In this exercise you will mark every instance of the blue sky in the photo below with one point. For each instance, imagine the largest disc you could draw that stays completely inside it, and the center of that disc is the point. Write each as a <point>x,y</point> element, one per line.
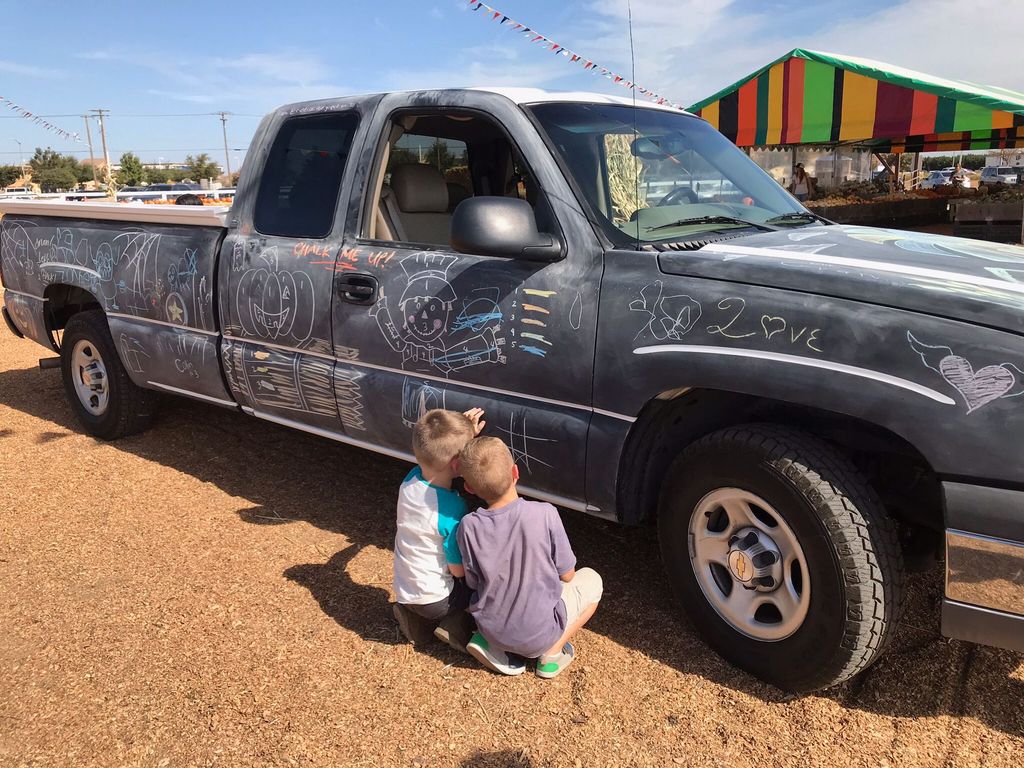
<point>143,59</point>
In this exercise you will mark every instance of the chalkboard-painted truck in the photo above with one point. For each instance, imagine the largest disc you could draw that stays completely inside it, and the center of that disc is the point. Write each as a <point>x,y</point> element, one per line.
<point>657,329</point>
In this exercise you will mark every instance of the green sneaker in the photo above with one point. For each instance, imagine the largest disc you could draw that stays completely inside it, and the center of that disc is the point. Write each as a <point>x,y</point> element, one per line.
<point>492,658</point>
<point>552,666</point>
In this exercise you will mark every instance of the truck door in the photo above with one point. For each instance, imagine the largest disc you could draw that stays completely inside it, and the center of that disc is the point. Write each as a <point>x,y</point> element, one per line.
<point>418,325</point>
<point>278,260</point>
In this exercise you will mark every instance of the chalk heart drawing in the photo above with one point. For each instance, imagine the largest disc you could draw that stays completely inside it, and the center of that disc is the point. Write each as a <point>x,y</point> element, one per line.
<point>977,387</point>
<point>772,325</point>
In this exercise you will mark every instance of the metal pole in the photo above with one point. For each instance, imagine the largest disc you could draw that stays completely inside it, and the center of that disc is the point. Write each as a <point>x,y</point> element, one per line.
<point>224,128</point>
<point>92,157</point>
<point>106,155</point>
<point>21,159</point>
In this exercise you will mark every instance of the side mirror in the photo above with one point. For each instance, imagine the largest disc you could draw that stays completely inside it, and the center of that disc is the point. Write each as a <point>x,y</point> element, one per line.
<point>501,226</point>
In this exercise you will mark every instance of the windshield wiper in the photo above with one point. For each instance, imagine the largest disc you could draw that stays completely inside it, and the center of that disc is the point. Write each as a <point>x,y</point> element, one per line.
<point>799,216</point>
<point>710,220</point>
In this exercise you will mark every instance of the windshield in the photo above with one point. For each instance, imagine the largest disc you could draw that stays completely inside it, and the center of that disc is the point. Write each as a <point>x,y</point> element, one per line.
<point>648,174</point>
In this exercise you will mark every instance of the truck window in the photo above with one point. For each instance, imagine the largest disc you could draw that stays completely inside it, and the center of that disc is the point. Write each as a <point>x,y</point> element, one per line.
<point>434,162</point>
<point>301,181</point>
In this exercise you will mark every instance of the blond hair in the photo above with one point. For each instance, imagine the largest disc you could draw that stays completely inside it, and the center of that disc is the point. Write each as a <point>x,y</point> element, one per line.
<point>439,436</point>
<point>486,465</point>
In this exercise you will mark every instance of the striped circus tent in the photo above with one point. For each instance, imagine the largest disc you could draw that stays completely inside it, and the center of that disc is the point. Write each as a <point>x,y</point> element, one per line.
<point>808,97</point>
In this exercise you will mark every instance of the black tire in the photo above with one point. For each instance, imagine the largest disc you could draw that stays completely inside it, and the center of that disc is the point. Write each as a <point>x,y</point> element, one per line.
<point>129,408</point>
<point>852,553</point>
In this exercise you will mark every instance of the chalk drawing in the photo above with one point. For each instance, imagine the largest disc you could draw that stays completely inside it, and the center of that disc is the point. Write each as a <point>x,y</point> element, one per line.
<point>977,387</point>
<point>668,317</point>
<point>524,446</point>
<point>418,397</point>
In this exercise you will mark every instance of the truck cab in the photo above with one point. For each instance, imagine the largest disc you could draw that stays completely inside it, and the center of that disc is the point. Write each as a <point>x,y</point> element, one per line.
<point>660,333</point>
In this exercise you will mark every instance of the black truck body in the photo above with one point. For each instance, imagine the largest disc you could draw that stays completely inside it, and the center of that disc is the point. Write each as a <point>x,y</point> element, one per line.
<point>851,391</point>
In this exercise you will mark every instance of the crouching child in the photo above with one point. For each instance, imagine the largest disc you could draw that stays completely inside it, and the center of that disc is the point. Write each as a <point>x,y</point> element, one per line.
<point>430,591</point>
<point>529,599</point>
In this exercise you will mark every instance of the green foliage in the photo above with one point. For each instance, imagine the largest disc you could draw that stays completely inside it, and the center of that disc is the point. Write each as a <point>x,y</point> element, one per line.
<point>132,173</point>
<point>938,162</point>
<point>202,167</point>
<point>9,174</point>
<point>54,172</point>
<point>55,179</point>
<point>165,176</point>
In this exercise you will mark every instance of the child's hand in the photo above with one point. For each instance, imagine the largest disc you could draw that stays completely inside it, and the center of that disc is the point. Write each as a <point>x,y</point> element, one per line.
<point>474,414</point>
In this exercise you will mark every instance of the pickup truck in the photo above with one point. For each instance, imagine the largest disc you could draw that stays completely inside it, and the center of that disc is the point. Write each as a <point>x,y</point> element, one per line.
<point>658,330</point>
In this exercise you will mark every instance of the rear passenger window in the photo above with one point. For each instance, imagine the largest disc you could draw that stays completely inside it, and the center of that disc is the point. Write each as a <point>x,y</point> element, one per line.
<point>302,178</point>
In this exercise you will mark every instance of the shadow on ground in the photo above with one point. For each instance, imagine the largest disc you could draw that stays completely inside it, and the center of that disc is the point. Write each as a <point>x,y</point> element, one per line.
<point>287,476</point>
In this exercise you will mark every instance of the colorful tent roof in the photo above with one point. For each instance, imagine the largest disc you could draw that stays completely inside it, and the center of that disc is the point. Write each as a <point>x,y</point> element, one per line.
<point>807,97</point>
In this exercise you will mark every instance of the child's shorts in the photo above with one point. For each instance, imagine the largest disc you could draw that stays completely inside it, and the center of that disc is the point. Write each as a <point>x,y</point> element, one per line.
<point>583,591</point>
<point>456,601</point>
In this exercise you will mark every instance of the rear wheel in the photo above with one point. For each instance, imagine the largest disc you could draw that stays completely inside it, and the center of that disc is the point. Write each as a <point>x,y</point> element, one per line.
<point>105,400</point>
<point>782,554</point>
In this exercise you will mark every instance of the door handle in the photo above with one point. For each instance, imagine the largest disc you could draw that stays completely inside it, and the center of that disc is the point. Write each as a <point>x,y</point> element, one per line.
<point>357,289</point>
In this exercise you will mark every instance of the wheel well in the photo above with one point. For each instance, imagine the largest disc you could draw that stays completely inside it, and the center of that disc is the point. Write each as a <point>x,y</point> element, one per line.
<point>63,301</point>
<point>902,477</point>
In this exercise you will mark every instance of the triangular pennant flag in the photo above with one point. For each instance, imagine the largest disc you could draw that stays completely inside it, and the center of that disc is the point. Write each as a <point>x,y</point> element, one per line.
<point>496,15</point>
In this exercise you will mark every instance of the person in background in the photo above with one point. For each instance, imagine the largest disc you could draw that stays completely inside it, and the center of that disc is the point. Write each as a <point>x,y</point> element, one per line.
<point>802,185</point>
<point>188,199</point>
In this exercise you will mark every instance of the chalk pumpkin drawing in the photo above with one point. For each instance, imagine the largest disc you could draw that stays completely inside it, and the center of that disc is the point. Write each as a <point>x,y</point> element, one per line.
<point>977,387</point>
<point>275,303</point>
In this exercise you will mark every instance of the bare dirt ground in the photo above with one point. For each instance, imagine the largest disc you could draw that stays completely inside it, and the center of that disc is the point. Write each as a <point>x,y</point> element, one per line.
<point>215,592</point>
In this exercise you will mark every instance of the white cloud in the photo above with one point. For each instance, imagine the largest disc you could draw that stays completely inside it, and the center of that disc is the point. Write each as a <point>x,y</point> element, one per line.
<point>701,46</point>
<point>29,70</point>
<point>261,80</point>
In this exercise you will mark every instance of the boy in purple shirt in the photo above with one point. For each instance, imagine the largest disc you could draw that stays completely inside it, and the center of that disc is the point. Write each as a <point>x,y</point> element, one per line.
<point>529,598</point>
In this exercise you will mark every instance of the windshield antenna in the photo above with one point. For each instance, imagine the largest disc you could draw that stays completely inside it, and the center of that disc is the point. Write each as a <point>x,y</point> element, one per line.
<point>632,88</point>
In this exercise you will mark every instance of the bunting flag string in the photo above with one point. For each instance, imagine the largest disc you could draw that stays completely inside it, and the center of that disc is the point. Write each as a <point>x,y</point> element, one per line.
<point>533,36</point>
<point>69,135</point>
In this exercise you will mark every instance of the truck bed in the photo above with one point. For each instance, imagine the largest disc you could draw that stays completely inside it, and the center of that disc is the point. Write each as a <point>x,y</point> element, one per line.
<point>202,216</point>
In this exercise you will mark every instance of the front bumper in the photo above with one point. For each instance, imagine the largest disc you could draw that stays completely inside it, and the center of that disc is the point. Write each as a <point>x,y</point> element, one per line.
<point>984,565</point>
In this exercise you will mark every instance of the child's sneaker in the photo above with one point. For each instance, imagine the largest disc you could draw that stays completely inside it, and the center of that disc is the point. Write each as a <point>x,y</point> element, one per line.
<point>492,658</point>
<point>551,666</point>
<point>456,630</point>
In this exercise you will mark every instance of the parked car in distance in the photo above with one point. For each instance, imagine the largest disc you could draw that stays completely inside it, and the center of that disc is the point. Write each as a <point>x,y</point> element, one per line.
<point>944,178</point>
<point>994,176</point>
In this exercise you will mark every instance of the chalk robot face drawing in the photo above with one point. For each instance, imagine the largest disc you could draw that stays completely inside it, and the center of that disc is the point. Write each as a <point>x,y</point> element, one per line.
<point>426,303</point>
<point>427,335</point>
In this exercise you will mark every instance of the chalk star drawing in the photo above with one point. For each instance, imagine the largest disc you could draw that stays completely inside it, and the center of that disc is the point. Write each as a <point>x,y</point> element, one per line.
<point>175,309</point>
<point>976,387</point>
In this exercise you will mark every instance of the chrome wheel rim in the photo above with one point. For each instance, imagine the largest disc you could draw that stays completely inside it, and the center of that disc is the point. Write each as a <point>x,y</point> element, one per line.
<point>749,564</point>
<point>89,375</point>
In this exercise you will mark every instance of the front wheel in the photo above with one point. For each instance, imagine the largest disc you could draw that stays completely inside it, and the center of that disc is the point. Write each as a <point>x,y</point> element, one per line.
<point>782,554</point>
<point>104,398</point>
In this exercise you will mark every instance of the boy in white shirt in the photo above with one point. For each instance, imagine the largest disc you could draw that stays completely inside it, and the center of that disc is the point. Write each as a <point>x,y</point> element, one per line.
<point>428,575</point>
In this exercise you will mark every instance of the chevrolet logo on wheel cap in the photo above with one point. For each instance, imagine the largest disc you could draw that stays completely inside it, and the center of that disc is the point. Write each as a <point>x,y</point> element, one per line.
<point>741,566</point>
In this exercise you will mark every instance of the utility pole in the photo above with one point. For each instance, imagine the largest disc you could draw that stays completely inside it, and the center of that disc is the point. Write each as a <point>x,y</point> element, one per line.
<point>106,155</point>
<point>92,157</point>
<point>224,129</point>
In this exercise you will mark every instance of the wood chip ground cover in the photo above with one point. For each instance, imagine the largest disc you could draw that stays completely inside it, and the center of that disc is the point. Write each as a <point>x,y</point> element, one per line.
<point>215,592</point>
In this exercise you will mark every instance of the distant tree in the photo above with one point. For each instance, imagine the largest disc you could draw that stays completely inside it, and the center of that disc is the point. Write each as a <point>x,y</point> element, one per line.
<point>9,174</point>
<point>59,178</point>
<point>164,176</point>
<point>202,167</point>
<point>54,172</point>
<point>971,162</point>
<point>132,173</point>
